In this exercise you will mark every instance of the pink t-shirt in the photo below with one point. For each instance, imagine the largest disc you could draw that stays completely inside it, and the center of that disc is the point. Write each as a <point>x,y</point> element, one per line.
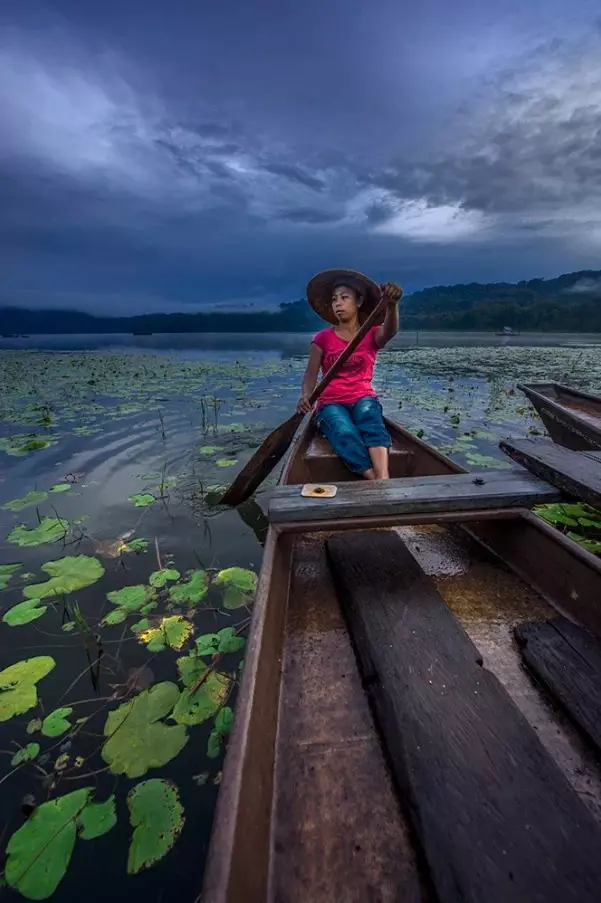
<point>353,381</point>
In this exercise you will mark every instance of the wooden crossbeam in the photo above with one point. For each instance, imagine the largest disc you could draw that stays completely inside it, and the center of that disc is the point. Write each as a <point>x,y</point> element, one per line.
<point>575,472</point>
<point>413,497</point>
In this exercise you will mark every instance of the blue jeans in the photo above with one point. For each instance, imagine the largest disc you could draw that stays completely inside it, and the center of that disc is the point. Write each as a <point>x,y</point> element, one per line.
<point>352,429</point>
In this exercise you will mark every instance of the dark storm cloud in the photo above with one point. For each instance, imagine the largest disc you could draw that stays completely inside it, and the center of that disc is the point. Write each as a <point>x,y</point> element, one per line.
<point>221,156</point>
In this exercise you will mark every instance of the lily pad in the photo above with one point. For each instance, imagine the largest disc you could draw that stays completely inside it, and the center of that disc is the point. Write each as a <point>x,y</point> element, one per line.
<point>223,641</point>
<point>34,725</point>
<point>18,693</point>
<point>40,851</point>
<point>132,598</point>
<point>225,462</point>
<point>66,576</point>
<point>209,450</point>
<point>222,727</point>
<point>6,572</point>
<point>32,498</point>
<point>137,739</point>
<point>195,706</point>
<point>171,631</point>
<point>239,586</point>
<point>50,529</point>
<point>192,591</point>
<point>26,754</point>
<point>21,445</point>
<point>117,616</point>
<point>55,724</point>
<point>97,819</point>
<point>165,575</point>
<point>157,817</point>
<point>142,499</point>
<point>60,487</point>
<point>24,613</point>
<point>137,545</point>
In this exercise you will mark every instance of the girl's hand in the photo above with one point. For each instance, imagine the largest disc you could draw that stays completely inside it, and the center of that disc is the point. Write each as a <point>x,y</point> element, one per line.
<point>304,406</point>
<point>392,292</point>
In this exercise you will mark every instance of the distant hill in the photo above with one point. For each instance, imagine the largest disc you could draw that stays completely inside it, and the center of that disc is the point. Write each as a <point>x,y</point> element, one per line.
<point>569,303</point>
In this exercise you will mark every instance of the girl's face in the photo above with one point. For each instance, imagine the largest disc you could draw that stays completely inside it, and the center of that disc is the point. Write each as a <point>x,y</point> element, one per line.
<point>344,304</point>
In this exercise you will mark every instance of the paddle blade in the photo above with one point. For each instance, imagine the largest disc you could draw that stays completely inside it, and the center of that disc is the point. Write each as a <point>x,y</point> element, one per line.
<point>262,462</point>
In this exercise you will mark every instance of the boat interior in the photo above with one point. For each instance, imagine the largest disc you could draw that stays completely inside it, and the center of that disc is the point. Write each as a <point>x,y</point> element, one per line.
<point>311,807</point>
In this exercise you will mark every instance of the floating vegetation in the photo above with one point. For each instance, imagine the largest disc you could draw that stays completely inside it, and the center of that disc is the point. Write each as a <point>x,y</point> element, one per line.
<point>225,462</point>
<point>97,819</point>
<point>132,598</point>
<point>170,632</point>
<point>157,817</point>
<point>239,586</point>
<point>61,487</point>
<point>137,545</point>
<point>26,754</point>
<point>35,497</point>
<point>18,690</point>
<point>585,519</point>
<point>49,529</point>
<point>137,738</point>
<point>205,691</point>
<point>192,591</point>
<point>160,578</point>
<point>56,724</point>
<point>24,613</point>
<point>226,640</point>
<point>142,499</point>
<point>22,445</point>
<point>66,576</point>
<point>6,572</point>
<point>209,450</point>
<point>222,727</point>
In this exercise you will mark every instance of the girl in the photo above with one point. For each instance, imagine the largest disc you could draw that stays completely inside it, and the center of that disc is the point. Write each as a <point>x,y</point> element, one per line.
<point>349,413</point>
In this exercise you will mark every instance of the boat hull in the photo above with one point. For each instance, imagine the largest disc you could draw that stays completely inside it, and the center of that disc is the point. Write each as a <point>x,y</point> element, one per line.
<point>572,418</point>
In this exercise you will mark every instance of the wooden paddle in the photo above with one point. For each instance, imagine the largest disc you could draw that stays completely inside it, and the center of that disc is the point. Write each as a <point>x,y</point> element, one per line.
<point>278,442</point>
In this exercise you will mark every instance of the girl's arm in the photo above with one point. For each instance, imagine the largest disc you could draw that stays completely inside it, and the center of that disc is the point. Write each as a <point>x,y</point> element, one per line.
<point>390,326</point>
<point>310,378</point>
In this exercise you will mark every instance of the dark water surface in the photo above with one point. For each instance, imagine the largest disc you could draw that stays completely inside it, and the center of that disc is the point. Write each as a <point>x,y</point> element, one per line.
<point>173,418</point>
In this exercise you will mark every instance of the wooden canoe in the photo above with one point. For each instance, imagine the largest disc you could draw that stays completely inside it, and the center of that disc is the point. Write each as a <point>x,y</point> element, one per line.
<point>572,418</point>
<point>319,802</point>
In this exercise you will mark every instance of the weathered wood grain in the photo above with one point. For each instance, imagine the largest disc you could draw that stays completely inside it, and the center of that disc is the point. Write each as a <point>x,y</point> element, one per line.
<point>576,472</point>
<point>473,491</point>
<point>496,817</point>
<point>567,659</point>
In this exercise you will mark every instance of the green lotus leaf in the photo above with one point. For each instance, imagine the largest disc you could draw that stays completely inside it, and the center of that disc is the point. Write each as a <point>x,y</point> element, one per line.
<point>191,668</point>
<point>225,462</point>
<point>139,626</point>
<point>40,851</point>
<point>6,572</point>
<point>239,586</point>
<point>222,727</point>
<point>207,644</point>
<point>60,487</point>
<point>214,744</point>
<point>24,613</point>
<point>165,575</point>
<point>97,819</point>
<point>21,445</point>
<point>228,641</point>
<point>117,616</point>
<point>18,693</point>
<point>32,498</point>
<point>34,725</point>
<point>50,529</point>
<point>171,631</point>
<point>192,591</point>
<point>195,706</point>
<point>137,545</point>
<point>137,738</point>
<point>55,724</point>
<point>157,817</point>
<point>132,598</point>
<point>591,545</point>
<point>66,576</point>
<point>26,754</point>
<point>142,499</point>
<point>209,450</point>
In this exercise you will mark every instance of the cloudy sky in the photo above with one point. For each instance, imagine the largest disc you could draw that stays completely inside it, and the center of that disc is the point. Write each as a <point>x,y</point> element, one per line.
<point>194,154</point>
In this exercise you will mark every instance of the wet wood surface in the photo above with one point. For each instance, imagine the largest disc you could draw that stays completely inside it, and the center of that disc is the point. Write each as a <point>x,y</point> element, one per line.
<point>496,817</point>
<point>455,492</point>
<point>338,833</point>
<point>576,472</point>
<point>567,659</point>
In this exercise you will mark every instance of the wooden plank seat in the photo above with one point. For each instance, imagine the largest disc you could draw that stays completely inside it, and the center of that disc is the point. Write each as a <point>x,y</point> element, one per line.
<point>326,464</point>
<point>566,658</point>
<point>496,817</point>
<point>575,472</point>
<point>414,496</point>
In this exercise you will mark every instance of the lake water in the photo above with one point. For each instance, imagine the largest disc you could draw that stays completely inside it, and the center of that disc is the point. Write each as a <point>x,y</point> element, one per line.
<point>143,431</point>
